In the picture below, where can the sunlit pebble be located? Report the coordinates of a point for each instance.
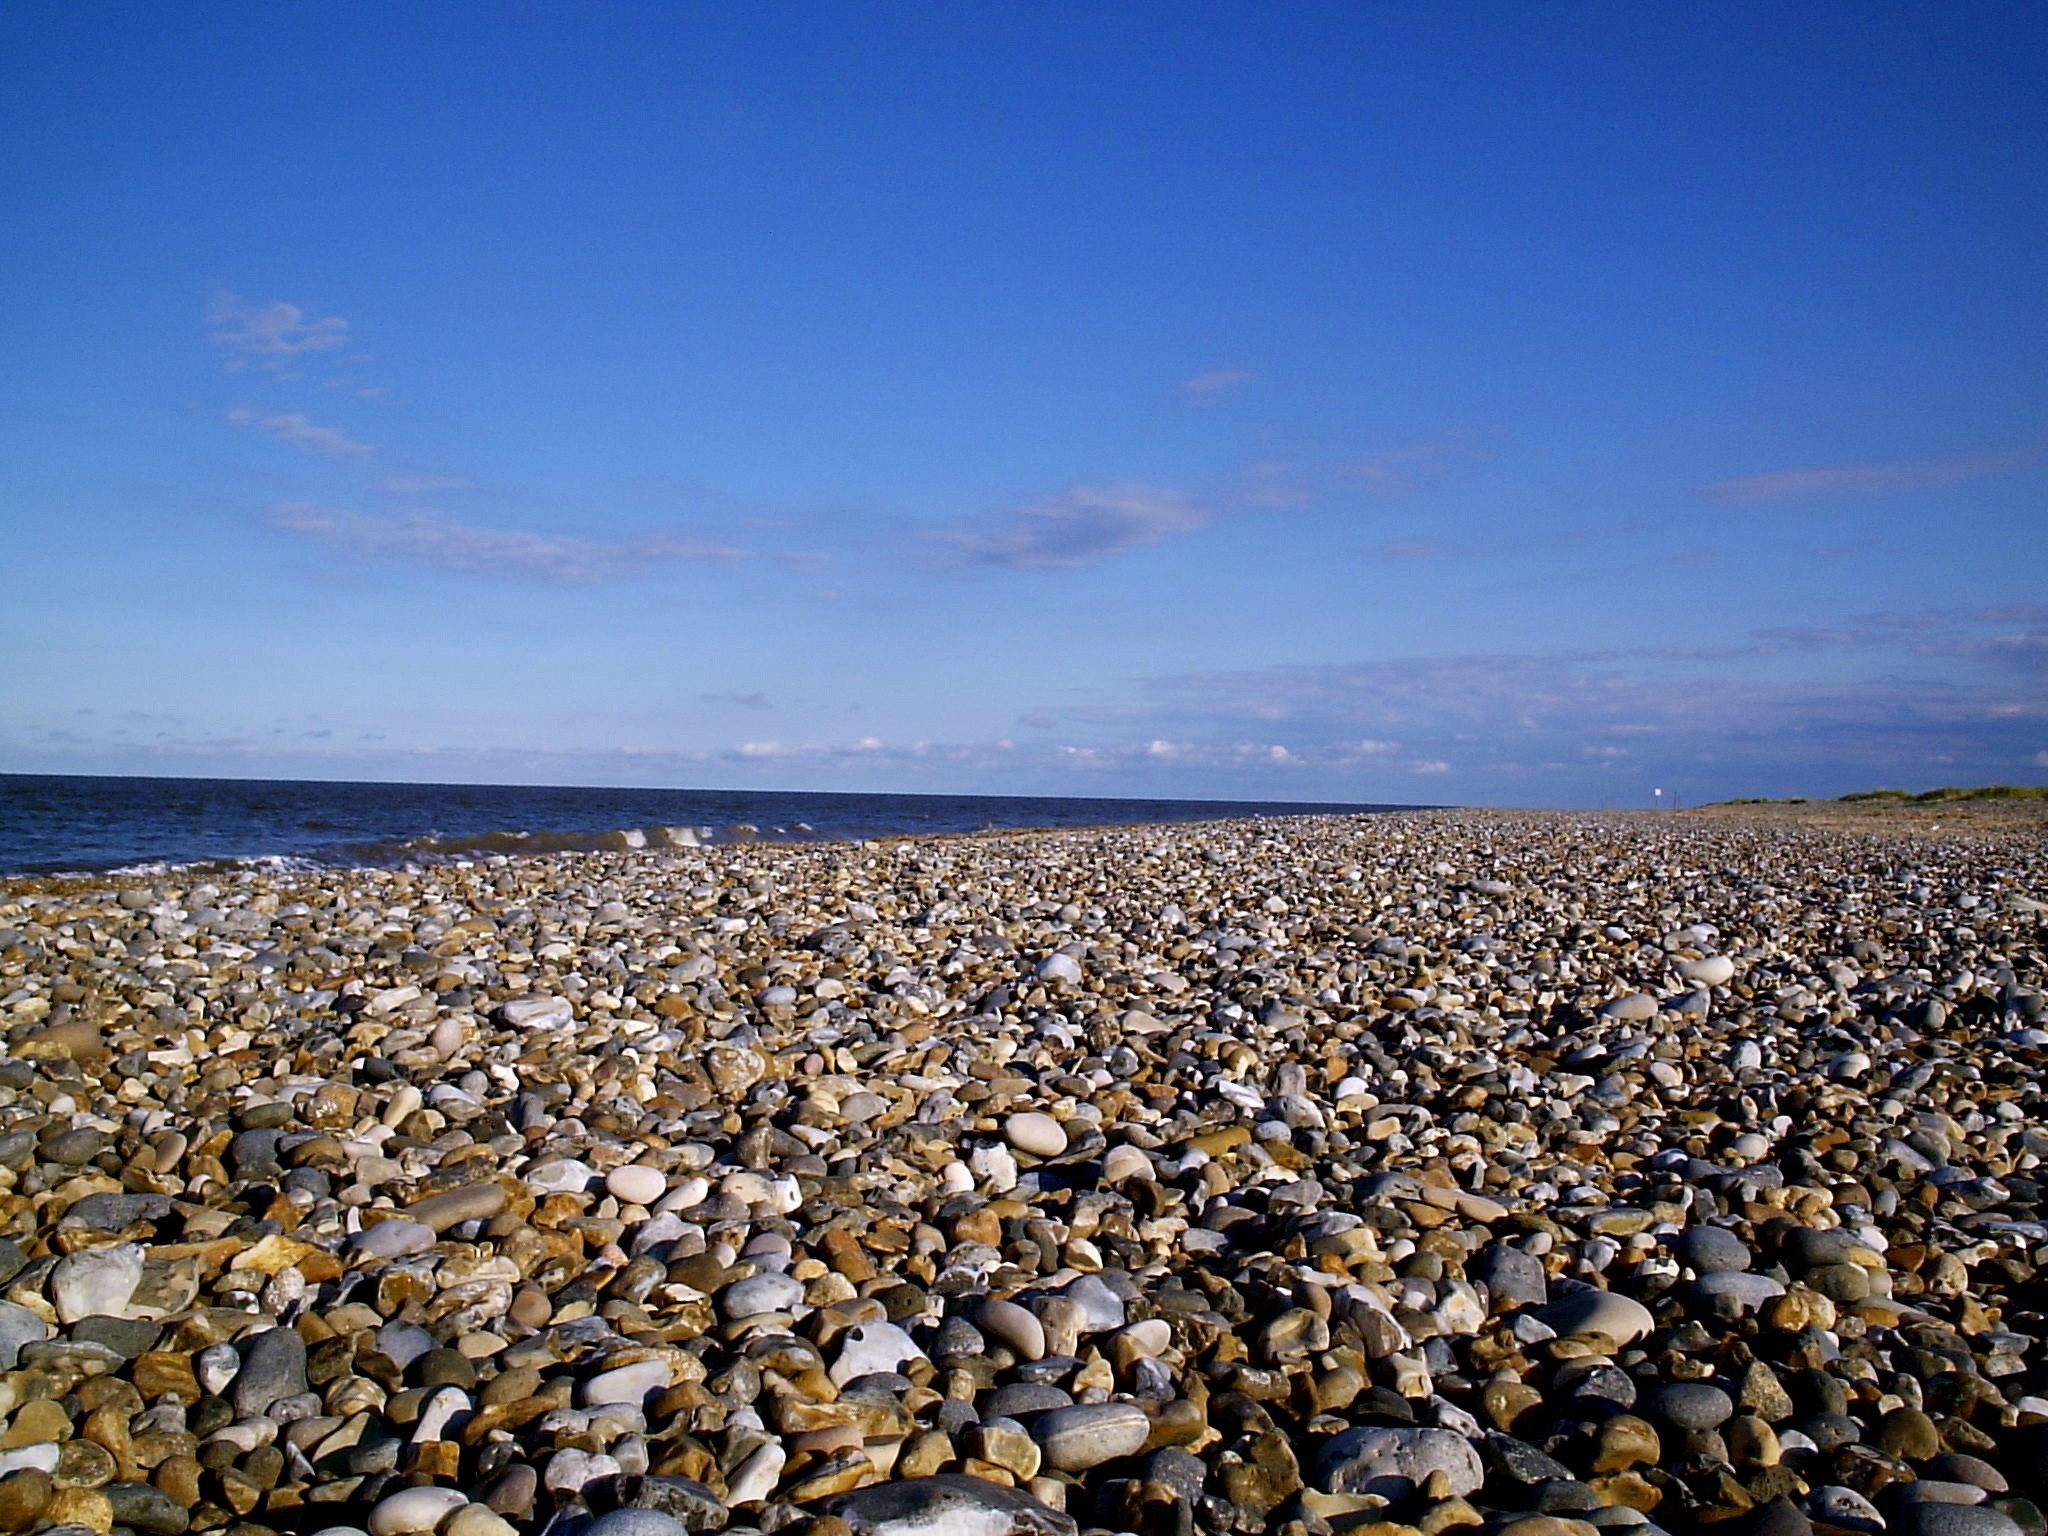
(781, 1090)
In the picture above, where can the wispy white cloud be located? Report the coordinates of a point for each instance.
(1079, 528)
(423, 485)
(1867, 479)
(301, 432)
(270, 332)
(1962, 685)
(431, 539)
(1275, 485)
(1215, 384)
(1412, 466)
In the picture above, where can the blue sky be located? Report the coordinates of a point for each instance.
(1522, 405)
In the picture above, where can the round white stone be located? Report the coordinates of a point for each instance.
(637, 1184)
(1011, 1324)
(412, 1510)
(1038, 1134)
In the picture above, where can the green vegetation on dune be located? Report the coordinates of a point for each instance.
(1953, 792)
(1947, 794)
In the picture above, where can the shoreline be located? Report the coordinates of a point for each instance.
(1398, 1172)
(1954, 818)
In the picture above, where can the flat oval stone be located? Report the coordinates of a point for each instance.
(1712, 971)
(472, 1202)
(631, 1384)
(1036, 1133)
(393, 1239)
(412, 1510)
(1933, 1519)
(1633, 1008)
(636, 1522)
(1394, 1461)
(1620, 1318)
(946, 1505)
(1123, 1162)
(1748, 1290)
(1712, 1250)
(1088, 1434)
(1014, 1325)
(637, 1184)
(757, 1294)
(1691, 1404)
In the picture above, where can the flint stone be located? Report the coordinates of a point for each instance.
(679, 1500)
(537, 1013)
(1513, 1278)
(1088, 1434)
(126, 1337)
(41, 1457)
(1060, 966)
(113, 1213)
(1780, 1517)
(1845, 1507)
(146, 1510)
(1932, 1519)
(273, 1366)
(1748, 1290)
(561, 1175)
(1712, 1250)
(18, 1326)
(1692, 1405)
(872, 1349)
(946, 1505)
(1102, 1309)
(1394, 1461)
(97, 1280)
(634, 1521)
(1813, 1247)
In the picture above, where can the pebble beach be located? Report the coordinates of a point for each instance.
(1541, 1174)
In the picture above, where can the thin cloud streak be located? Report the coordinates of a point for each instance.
(270, 332)
(301, 432)
(1215, 384)
(1870, 479)
(1079, 528)
(1941, 689)
(1414, 466)
(432, 540)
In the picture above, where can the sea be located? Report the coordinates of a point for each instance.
(61, 824)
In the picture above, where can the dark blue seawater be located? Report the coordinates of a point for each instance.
(51, 823)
